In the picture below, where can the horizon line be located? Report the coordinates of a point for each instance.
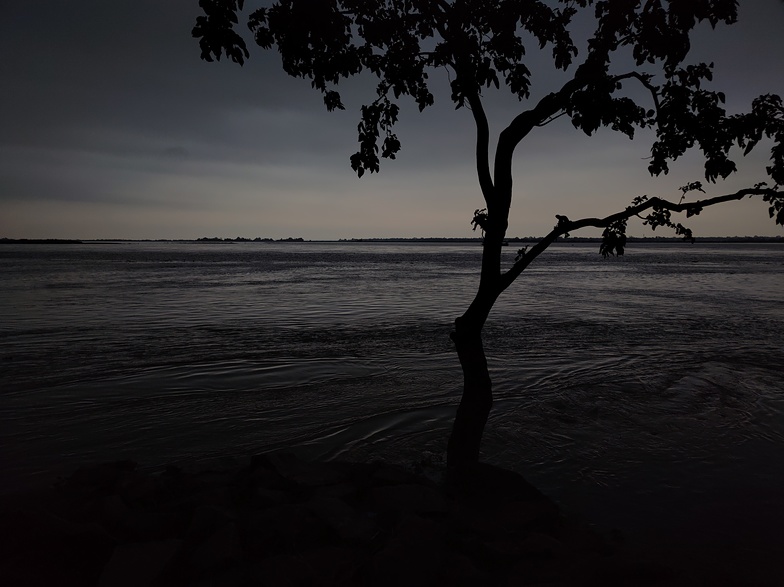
(23, 240)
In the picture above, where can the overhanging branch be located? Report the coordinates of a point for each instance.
(566, 226)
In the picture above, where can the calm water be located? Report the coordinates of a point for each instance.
(644, 390)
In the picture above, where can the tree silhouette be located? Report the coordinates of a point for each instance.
(484, 43)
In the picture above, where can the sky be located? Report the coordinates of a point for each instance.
(112, 127)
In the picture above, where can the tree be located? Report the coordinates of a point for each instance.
(483, 43)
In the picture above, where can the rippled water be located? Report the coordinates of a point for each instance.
(654, 380)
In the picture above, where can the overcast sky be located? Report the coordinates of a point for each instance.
(112, 127)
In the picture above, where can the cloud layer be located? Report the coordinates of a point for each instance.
(114, 128)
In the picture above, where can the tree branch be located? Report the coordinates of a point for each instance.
(482, 146)
(645, 81)
(548, 107)
(552, 118)
(566, 226)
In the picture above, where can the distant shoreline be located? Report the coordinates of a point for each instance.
(452, 240)
(39, 241)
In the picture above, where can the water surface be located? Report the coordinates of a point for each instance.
(651, 381)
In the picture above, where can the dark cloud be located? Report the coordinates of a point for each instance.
(108, 102)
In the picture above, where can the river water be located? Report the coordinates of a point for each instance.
(642, 391)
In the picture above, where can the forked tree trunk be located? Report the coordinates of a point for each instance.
(463, 447)
(474, 408)
(464, 442)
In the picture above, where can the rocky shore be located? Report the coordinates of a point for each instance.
(279, 521)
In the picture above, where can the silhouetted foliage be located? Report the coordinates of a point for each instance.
(613, 239)
(484, 44)
(480, 220)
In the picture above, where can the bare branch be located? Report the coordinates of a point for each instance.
(645, 81)
(566, 226)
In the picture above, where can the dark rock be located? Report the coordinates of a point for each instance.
(332, 566)
(533, 573)
(347, 522)
(540, 545)
(143, 525)
(216, 496)
(41, 548)
(282, 521)
(204, 481)
(139, 489)
(391, 475)
(101, 479)
(282, 570)
(502, 551)
(579, 539)
(138, 564)
(414, 556)
(286, 528)
(507, 518)
(345, 491)
(261, 473)
(205, 521)
(458, 570)
(114, 512)
(408, 498)
(263, 498)
(218, 551)
(238, 576)
(311, 474)
(532, 545)
(613, 570)
(485, 484)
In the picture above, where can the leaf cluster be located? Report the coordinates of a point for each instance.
(776, 208)
(377, 117)
(215, 30)
(480, 219)
(613, 239)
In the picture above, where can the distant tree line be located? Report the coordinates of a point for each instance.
(39, 241)
(241, 239)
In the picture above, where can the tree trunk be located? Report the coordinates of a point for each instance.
(462, 453)
(474, 408)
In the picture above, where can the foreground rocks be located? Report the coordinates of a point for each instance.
(279, 521)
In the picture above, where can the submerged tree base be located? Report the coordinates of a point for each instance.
(278, 520)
